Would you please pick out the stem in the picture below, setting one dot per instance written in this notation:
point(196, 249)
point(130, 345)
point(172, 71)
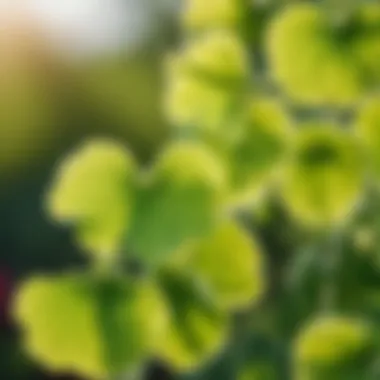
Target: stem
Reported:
point(105, 264)
point(333, 259)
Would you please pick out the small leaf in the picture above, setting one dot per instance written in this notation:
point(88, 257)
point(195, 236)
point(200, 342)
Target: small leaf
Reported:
point(179, 203)
point(92, 190)
point(91, 327)
point(230, 265)
point(197, 329)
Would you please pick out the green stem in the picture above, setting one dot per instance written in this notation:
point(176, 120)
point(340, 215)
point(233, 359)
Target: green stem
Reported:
point(104, 265)
point(332, 253)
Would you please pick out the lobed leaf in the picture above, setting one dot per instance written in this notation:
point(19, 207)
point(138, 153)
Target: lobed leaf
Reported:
point(92, 190)
point(96, 328)
point(180, 202)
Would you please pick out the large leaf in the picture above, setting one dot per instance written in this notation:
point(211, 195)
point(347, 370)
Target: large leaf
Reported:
point(324, 177)
point(96, 328)
point(179, 202)
point(92, 190)
point(312, 58)
point(197, 329)
point(230, 265)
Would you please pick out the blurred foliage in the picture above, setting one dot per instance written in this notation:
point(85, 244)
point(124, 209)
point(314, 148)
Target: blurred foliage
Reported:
point(222, 212)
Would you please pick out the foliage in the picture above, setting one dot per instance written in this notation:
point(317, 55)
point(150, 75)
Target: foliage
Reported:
point(176, 273)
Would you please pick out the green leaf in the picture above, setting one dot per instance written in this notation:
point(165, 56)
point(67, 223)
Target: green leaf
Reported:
point(332, 346)
point(215, 14)
point(95, 328)
point(92, 190)
point(311, 57)
point(197, 329)
point(254, 160)
point(207, 83)
point(230, 265)
point(367, 125)
point(179, 203)
point(366, 39)
point(324, 176)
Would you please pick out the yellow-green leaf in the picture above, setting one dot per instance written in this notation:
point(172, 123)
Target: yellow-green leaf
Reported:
point(197, 329)
point(311, 59)
point(368, 129)
point(255, 158)
point(326, 345)
point(213, 14)
point(230, 266)
point(179, 203)
point(323, 178)
point(207, 82)
point(95, 328)
point(92, 190)
point(366, 39)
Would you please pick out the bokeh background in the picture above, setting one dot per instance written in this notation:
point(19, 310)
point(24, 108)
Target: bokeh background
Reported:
point(75, 69)
point(68, 70)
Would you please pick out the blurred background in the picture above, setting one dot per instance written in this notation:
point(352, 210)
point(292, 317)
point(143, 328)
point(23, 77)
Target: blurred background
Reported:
point(68, 70)
point(73, 69)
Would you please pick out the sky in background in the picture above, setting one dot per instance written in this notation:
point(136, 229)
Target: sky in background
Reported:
point(87, 28)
